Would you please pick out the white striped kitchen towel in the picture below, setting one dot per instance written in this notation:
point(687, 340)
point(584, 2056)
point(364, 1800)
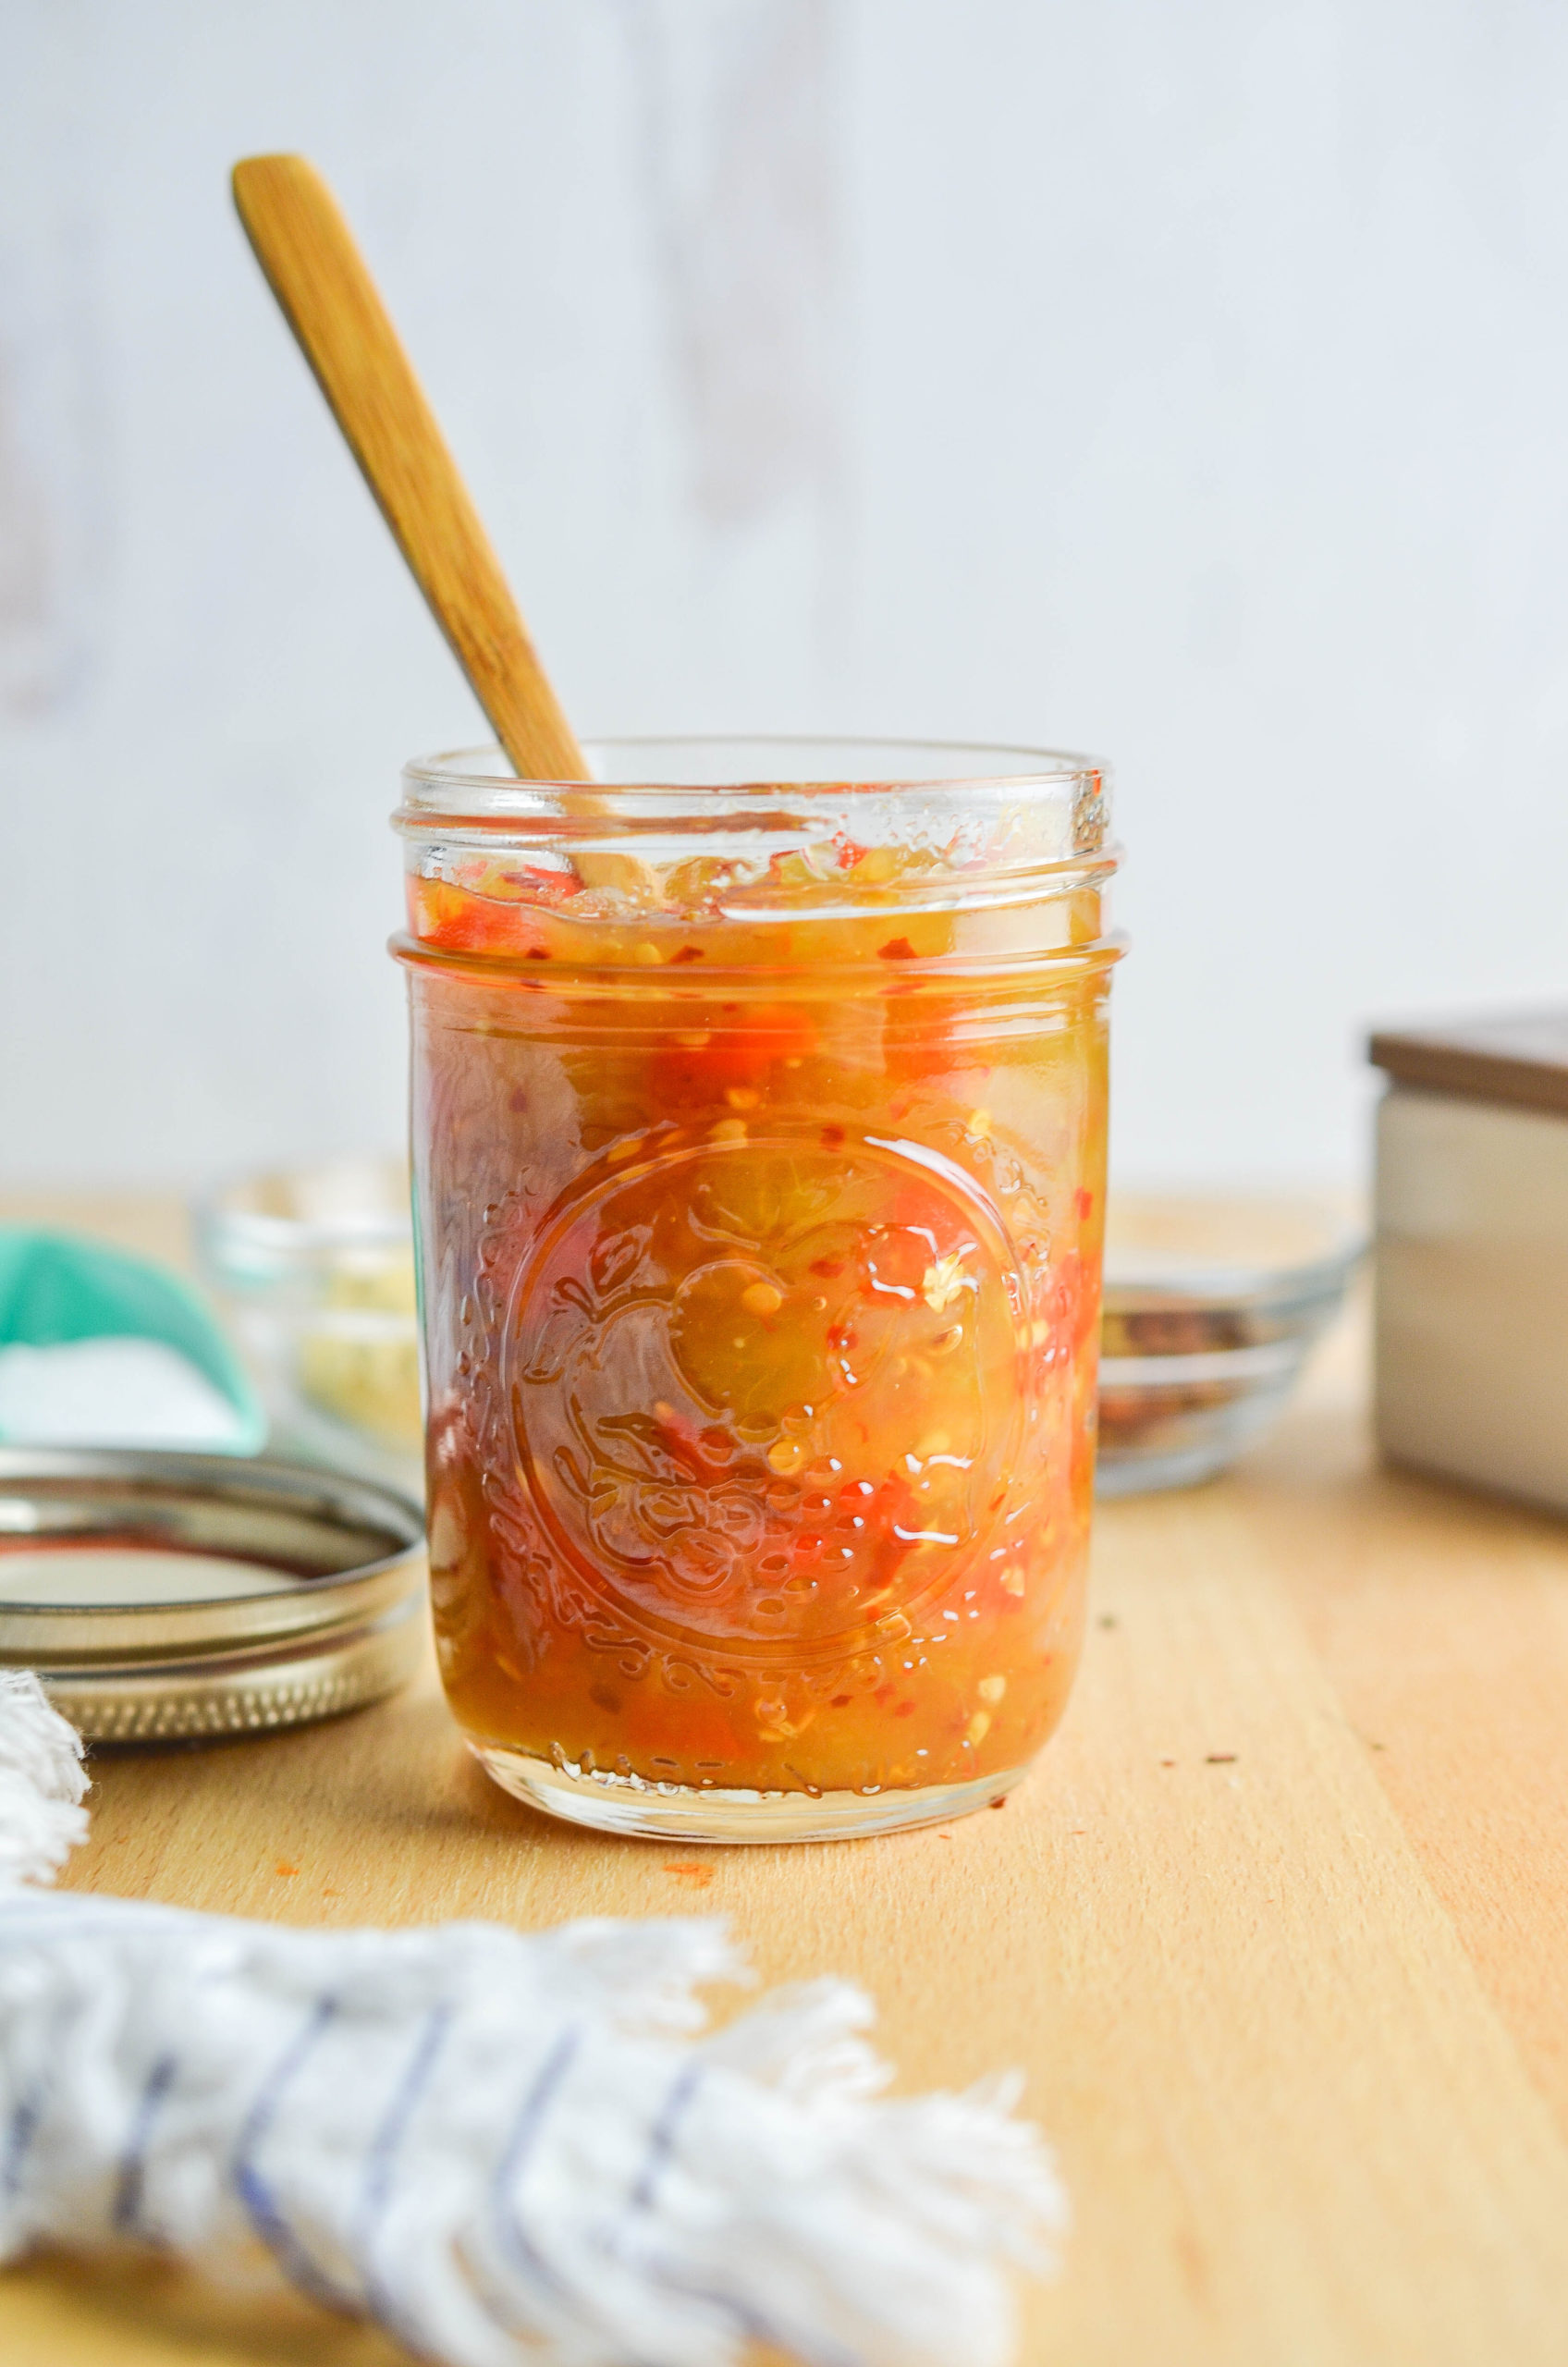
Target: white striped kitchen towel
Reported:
point(504, 2148)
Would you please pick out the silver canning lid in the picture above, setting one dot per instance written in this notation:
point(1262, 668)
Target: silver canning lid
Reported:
point(165, 1597)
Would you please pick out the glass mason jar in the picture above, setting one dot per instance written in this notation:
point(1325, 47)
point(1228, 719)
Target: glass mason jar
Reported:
point(759, 1168)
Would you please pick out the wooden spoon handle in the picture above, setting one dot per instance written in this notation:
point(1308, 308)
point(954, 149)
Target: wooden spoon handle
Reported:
point(318, 276)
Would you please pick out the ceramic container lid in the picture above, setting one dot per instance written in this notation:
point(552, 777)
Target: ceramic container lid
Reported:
point(1520, 1057)
point(170, 1597)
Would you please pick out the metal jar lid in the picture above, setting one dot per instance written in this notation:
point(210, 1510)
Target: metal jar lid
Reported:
point(170, 1598)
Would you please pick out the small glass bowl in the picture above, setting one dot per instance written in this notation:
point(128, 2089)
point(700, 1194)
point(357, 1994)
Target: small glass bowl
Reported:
point(1210, 1308)
point(313, 1271)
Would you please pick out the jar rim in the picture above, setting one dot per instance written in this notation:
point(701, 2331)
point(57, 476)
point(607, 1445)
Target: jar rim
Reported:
point(726, 841)
point(879, 766)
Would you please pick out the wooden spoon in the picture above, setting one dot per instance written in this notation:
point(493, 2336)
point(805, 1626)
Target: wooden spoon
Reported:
point(319, 278)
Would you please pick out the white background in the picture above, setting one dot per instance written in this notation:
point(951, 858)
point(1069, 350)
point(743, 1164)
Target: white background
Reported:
point(1184, 382)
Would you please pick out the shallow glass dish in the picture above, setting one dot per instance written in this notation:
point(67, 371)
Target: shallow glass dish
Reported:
point(1211, 1306)
point(312, 1270)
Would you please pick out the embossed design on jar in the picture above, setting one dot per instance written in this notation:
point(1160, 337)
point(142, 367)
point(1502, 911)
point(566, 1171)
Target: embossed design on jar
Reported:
point(720, 1360)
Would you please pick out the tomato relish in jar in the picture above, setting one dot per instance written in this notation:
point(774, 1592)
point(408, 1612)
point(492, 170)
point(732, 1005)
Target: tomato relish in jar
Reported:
point(759, 1145)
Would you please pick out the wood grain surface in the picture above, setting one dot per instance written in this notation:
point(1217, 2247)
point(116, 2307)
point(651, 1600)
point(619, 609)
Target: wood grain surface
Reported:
point(315, 271)
point(1276, 1929)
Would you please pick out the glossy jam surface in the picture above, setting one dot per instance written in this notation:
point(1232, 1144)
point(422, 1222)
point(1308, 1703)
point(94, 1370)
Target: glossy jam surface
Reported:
point(760, 1270)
